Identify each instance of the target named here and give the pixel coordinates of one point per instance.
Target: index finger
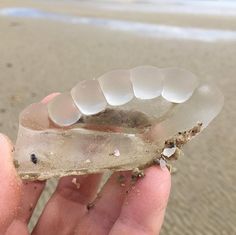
(144, 208)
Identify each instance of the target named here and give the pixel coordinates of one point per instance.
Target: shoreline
(101, 11)
(39, 57)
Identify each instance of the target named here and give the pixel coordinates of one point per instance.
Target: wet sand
(39, 57)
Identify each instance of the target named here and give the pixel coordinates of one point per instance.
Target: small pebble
(9, 65)
(116, 153)
(168, 152)
(33, 158)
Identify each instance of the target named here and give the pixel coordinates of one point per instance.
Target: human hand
(121, 209)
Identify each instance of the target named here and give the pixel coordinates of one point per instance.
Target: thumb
(10, 185)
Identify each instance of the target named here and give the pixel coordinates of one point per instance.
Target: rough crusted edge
(178, 140)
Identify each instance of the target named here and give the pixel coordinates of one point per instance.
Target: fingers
(68, 204)
(17, 227)
(10, 190)
(80, 189)
(144, 208)
(46, 99)
(32, 190)
(124, 208)
(107, 208)
(112, 196)
(30, 196)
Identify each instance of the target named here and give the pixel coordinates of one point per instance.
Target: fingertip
(7, 168)
(10, 185)
(154, 187)
(145, 205)
(6, 148)
(5, 139)
(48, 98)
(160, 177)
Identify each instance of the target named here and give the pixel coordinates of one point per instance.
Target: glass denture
(123, 120)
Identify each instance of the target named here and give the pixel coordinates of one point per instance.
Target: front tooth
(147, 82)
(117, 87)
(179, 84)
(88, 97)
(62, 110)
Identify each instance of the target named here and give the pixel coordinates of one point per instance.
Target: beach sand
(38, 57)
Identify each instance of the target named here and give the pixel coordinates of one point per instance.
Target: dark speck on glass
(33, 158)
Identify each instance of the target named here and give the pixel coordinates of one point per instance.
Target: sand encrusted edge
(177, 141)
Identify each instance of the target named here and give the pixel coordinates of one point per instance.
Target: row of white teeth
(119, 87)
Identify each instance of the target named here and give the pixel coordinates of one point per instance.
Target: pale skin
(122, 209)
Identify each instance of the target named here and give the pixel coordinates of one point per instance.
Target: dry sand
(39, 57)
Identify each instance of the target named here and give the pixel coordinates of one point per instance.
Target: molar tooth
(179, 84)
(147, 82)
(117, 87)
(203, 107)
(88, 97)
(62, 110)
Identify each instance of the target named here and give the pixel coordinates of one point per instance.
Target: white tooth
(117, 87)
(179, 84)
(35, 117)
(88, 97)
(62, 110)
(147, 82)
(209, 103)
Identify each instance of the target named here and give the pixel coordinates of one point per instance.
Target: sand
(39, 57)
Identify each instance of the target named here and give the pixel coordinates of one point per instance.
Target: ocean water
(210, 7)
(139, 28)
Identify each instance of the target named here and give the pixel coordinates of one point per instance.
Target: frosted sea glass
(179, 84)
(123, 136)
(35, 117)
(117, 87)
(204, 106)
(88, 97)
(63, 111)
(147, 82)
